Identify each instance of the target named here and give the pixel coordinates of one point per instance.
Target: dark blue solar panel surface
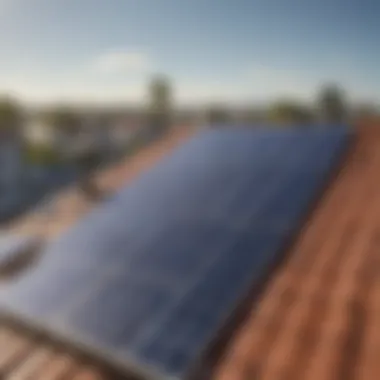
(150, 275)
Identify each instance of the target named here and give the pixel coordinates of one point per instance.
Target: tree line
(330, 107)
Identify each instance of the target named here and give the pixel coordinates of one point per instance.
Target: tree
(10, 115)
(290, 113)
(160, 104)
(332, 104)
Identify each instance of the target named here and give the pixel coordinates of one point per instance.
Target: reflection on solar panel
(148, 278)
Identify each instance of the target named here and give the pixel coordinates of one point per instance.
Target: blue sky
(214, 50)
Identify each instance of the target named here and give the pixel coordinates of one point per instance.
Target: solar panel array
(148, 278)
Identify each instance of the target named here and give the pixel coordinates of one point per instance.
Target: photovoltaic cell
(149, 277)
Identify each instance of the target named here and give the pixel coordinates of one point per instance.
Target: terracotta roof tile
(39, 357)
(60, 365)
(14, 349)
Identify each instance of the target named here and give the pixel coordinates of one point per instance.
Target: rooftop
(318, 318)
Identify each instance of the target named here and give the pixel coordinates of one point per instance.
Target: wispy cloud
(121, 61)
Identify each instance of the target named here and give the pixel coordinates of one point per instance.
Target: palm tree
(332, 104)
(160, 104)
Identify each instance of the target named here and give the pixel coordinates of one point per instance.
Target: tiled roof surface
(23, 358)
(319, 317)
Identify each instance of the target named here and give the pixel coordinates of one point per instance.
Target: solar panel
(148, 278)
